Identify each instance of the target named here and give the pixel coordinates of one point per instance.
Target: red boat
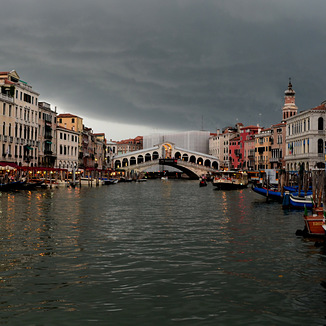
(314, 223)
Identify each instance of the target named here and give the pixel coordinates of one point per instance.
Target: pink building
(246, 135)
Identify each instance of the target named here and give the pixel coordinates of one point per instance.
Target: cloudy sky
(135, 67)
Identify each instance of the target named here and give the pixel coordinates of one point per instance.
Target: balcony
(275, 160)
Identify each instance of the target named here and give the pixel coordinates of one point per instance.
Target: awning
(48, 142)
(28, 148)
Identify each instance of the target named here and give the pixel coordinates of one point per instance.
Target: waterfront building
(246, 135)
(130, 145)
(249, 152)
(228, 133)
(263, 151)
(213, 144)
(111, 151)
(67, 144)
(234, 153)
(47, 135)
(278, 145)
(305, 139)
(19, 127)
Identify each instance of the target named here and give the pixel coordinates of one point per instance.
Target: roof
(67, 115)
(251, 127)
(320, 107)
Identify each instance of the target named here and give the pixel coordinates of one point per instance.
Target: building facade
(19, 142)
(305, 139)
(47, 135)
(263, 150)
(67, 144)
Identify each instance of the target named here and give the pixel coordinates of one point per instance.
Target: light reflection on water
(155, 253)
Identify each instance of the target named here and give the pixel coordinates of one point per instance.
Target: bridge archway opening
(140, 159)
(215, 165)
(200, 161)
(185, 157)
(177, 155)
(125, 162)
(148, 157)
(192, 159)
(117, 164)
(208, 163)
(155, 156)
(166, 150)
(133, 160)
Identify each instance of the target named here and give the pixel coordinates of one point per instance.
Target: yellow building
(263, 151)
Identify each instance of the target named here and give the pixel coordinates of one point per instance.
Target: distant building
(246, 136)
(305, 139)
(67, 144)
(47, 135)
(130, 145)
(263, 150)
(278, 145)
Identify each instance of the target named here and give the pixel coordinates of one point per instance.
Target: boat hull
(314, 223)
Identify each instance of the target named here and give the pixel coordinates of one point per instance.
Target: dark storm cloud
(168, 64)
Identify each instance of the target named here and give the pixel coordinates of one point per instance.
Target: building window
(320, 146)
(320, 123)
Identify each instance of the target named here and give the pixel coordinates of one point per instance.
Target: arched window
(320, 146)
(320, 123)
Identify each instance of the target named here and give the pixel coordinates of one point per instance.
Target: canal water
(155, 253)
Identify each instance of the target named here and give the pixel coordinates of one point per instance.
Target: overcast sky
(135, 67)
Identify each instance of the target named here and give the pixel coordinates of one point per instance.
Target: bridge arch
(177, 155)
(117, 164)
(132, 160)
(148, 157)
(125, 162)
(215, 165)
(192, 159)
(185, 157)
(140, 159)
(207, 163)
(155, 156)
(200, 161)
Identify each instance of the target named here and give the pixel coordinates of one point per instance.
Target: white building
(67, 148)
(305, 138)
(20, 112)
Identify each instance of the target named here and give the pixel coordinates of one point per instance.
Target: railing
(7, 98)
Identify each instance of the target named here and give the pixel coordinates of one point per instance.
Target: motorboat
(230, 180)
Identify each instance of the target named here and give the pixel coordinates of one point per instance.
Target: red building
(130, 145)
(246, 133)
(234, 154)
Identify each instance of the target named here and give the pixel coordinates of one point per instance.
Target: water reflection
(155, 253)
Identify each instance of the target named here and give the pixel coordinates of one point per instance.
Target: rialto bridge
(192, 163)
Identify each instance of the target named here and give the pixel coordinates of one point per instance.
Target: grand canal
(155, 253)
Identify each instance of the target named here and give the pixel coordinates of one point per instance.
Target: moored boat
(314, 223)
(230, 180)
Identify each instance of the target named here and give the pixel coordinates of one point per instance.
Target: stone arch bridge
(194, 164)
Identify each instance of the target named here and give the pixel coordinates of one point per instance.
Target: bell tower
(289, 108)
